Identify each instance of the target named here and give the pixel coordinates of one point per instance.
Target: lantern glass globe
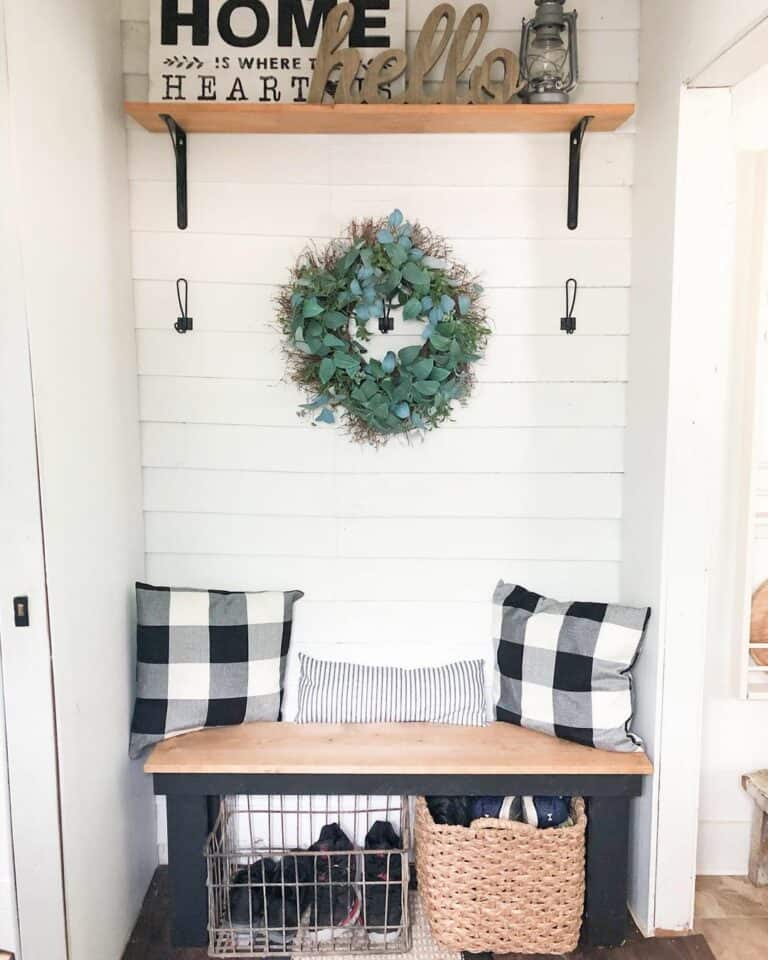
(546, 60)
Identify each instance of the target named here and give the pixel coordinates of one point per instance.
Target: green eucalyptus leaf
(415, 275)
(427, 388)
(326, 369)
(333, 320)
(464, 304)
(401, 392)
(380, 410)
(392, 281)
(317, 402)
(439, 374)
(397, 255)
(311, 308)
(412, 309)
(408, 355)
(330, 341)
(389, 362)
(439, 342)
(345, 362)
(422, 368)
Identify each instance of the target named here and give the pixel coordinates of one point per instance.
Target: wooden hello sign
(337, 68)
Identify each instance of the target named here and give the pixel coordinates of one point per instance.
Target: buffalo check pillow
(207, 658)
(564, 668)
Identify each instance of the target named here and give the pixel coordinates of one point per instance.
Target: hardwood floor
(733, 916)
(151, 939)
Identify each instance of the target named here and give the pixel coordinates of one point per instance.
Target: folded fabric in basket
(334, 692)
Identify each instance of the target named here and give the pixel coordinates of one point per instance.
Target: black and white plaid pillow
(564, 668)
(207, 658)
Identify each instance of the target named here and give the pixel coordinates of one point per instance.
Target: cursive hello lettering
(337, 70)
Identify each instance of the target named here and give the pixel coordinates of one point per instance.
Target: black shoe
(247, 893)
(451, 811)
(336, 869)
(335, 911)
(383, 889)
(265, 899)
(336, 905)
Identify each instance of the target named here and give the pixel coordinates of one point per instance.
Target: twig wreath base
(334, 293)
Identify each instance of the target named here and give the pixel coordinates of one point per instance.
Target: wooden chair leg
(758, 848)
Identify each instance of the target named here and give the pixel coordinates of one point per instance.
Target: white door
(70, 466)
(26, 655)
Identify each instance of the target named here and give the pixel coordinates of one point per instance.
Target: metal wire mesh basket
(312, 875)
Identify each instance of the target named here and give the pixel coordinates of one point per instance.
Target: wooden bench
(194, 770)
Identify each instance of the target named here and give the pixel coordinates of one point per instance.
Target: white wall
(398, 550)
(73, 202)
(663, 564)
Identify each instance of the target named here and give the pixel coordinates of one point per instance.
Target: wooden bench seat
(194, 770)
(401, 748)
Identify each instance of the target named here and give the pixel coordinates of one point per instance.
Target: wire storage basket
(499, 886)
(309, 875)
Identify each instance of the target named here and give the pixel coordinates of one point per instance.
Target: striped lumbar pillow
(331, 692)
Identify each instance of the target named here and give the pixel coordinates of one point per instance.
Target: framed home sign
(254, 51)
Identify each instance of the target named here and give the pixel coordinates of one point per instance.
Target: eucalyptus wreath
(333, 294)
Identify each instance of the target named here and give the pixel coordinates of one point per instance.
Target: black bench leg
(605, 914)
(188, 827)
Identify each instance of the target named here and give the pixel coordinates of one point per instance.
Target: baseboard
(640, 926)
(723, 848)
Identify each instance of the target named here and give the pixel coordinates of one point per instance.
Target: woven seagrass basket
(500, 886)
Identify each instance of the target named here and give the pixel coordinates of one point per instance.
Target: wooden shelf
(384, 118)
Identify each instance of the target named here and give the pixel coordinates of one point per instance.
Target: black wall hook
(387, 322)
(184, 322)
(568, 322)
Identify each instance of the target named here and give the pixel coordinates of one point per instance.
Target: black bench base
(193, 801)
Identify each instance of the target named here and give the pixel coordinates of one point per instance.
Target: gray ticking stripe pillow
(332, 692)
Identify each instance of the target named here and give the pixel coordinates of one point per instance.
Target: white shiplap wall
(397, 550)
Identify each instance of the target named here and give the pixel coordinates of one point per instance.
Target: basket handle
(491, 823)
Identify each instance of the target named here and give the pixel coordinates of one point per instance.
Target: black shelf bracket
(179, 141)
(574, 171)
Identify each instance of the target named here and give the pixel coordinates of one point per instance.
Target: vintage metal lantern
(549, 55)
